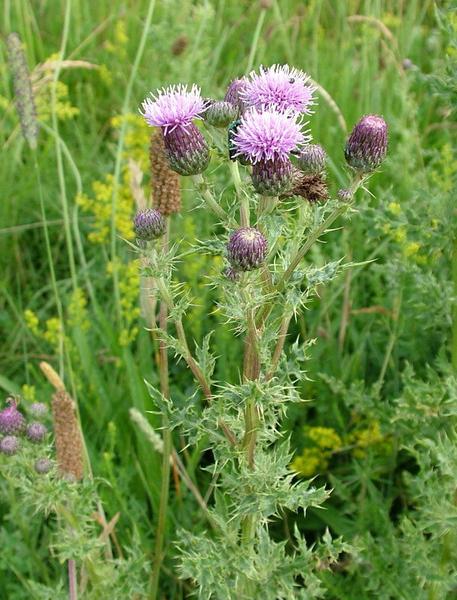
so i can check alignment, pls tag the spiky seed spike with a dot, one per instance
(69, 446)
(23, 94)
(166, 191)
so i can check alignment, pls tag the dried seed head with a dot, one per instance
(312, 187)
(311, 159)
(36, 432)
(366, 147)
(166, 192)
(69, 446)
(221, 114)
(43, 465)
(149, 224)
(11, 420)
(246, 249)
(9, 445)
(25, 104)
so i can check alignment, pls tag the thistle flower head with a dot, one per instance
(268, 135)
(36, 432)
(38, 410)
(174, 106)
(9, 445)
(43, 465)
(246, 249)
(11, 420)
(221, 113)
(149, 224)
(312, 159)
(280, 86)
(233, 93)
(366, 147)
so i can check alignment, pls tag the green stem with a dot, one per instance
(167, 445)
(243, 198)
(454, 309)
(205, 192)
(255, 40)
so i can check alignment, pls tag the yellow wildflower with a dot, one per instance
(31, 321)
(309, 462)
(29, 392)
(399, 234)
(411, 249)
(324, 437)
(394, 208)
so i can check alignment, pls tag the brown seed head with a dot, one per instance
(312, 187)
(166, 191)
(68, 440)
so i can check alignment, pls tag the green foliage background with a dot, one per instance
(379, 424)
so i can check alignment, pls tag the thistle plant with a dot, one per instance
(280, 207)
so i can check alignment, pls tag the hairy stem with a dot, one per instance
(207, 195)
(282, 334)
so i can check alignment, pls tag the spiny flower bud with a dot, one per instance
(36, 432)
(221, 114)
(231, 274)
(272, 177)
(69, 446)
(38, 410)
(11, 420)
(311, 159)
(187, 150)
(25, 104)
(9, 445)
(366, 147)
(232, 94)
(166, 192)
(148, 224)
(43, 465)
(312, 187)
(344, 195)
(246, 249)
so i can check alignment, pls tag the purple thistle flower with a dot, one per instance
(366, 147)
(173, 109)
(280, 86)
(149, 224)
(9, 445)
(175, 106)
(11, 420)
(36, 432)
(312, 159)
(43, 465)
(268, 135)
(38, 410)
(246, 249)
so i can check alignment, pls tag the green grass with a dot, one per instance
(397, 309)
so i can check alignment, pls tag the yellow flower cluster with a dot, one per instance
(99, 205)
(120, 40)
(129, 288)
(443, 175)
(77, 310)
(29, 392)
(399, 234)
(326, 441)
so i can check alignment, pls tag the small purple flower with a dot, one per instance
(43, 465)
(233, 92)
(11, 420)
(268, 135)
(36, 432)
(246, 249)
(174, 109)
(280, 86)
(175, 106)
(149, 224)
(38, 410)
(366, 147)
(312, 159)
(9, 445)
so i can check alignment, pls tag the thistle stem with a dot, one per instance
(167, 444)
(454, 309)
(72, 580)
(208, 197)
(243, 198)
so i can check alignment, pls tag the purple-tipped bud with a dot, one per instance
(38, 410)
(36, 432)
(312, 159)
(9, 445)
(149, 224)
(272, 177)
(221, 114)
(246, 249)
(232, 94)
(187, 150)
(366, 147)
(344, 195)
(11, 420)
(43, 465)
(231, 274)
